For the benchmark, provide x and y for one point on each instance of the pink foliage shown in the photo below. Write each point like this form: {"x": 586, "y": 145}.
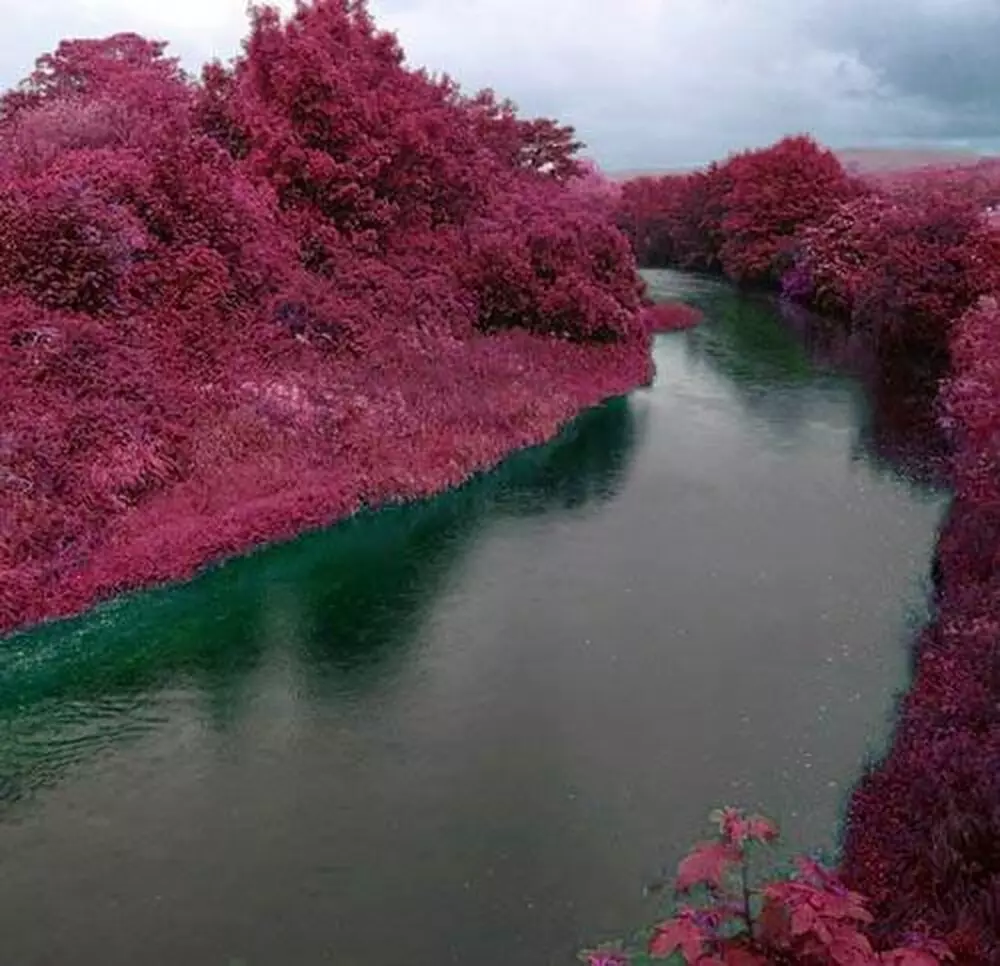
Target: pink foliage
{"x": 523, "y": 263}
{"x": 676, "y": 219}
{"x": 683, "y": 934}
{"x": 809, "y": 919}
{"x": 670, "y": 316}
{"x": 925, "y": 825}
{"x": 774, "y": 193}
{"x": 907, "y": 263}
{"x": 311, "y": 281}
{"x": 972, "y": 402}
{"x": 740, "y": 216}
{"x": 978, "y": 182}
{"x": 901, "y": 266}
{"x": 596, "y": 189}
{"x": 812, "y": 918}
{"x": 741, "y": 829}
{"x": 707, "y": 864}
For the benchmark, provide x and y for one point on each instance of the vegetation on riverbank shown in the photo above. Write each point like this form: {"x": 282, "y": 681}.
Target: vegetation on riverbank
{"x": 908, "y": 265}
{"x": 238, "y": 306}
{"x": 726, "y": 913}
{"x": 241, "y": 305}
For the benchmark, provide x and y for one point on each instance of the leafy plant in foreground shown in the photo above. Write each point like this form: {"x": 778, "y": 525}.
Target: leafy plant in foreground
{"x": 722, "y": 918}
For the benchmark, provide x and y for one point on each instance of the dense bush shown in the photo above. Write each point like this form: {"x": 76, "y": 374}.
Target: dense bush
{"x": 898, "y": 257}
{"x": 739, "y": 217}
{"x": 238, "y": 305}
{"x": 901, "y": 268}
{"x": 972, "y": 402}
{"x": 774, "y": 193}
{"x": 677, "y": 219}
{"x": 924, "y": 835}
{"x": 978, "y": 182}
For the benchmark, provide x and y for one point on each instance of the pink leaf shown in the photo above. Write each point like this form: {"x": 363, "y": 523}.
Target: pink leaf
{"x": 680, "y": 933}
{"x": 760, "y": 829}
{"x": 804, "y": 920}
{"x": 850, "y": 948}
{"x": 706, "y": 864}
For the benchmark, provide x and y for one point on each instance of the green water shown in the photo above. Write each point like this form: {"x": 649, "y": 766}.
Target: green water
{"x": 469, "y": 730}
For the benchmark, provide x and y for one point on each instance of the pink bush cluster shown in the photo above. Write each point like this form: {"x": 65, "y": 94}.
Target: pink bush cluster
{"x": 901, "y": 267}
{"x": 978, "y": 182}
{"x": 908, "y": 263}
{"x": 671, "y": 316}
{"x": 972, "y": 403}
{"x": 924, "y": 831}
{"x": 723, "y": 917}
{"x": 897, "y": 257}
{"x": 677, "y": 219}
{"x": 308, "y": 281}
{"x": 740, "y": 217}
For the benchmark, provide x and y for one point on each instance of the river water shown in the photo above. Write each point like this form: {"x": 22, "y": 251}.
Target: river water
{"x": 470, "y": 730}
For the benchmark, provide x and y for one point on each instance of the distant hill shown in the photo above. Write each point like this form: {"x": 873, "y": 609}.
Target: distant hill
{"x": 866, "y": 160}
{"x": 860, "y": 160}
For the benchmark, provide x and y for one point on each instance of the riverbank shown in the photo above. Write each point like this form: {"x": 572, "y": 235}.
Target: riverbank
{"x": 506, "y": 660}
{"x": 224, "y": 319}
{"x": 908, "y": 267}
{"x": 458, "y": 413}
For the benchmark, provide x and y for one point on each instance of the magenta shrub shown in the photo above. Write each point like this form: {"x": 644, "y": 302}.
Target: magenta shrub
{"x": 670, "y": 316}
{"x": 774, "y": 193}
{"x": 236, "y": 306}
{"x": 677, "y": 219}
{"x": 898, "y": 257}
{"x": 901, "y": 267}
{"x": 726, "y": 913}
{"x": 739, "y": 217}
{"x": 972, "y": 402}
{"x": 924, "y": 835}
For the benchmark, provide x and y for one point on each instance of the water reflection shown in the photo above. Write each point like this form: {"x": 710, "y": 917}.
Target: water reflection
{"x": 782, "y": 371}
{"x": 746, "y": 345}
{"x": 357, "y": 591}
{"x": 899, "y": 428}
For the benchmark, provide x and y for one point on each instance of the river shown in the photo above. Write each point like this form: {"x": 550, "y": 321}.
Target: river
{"x": 469, "y": 730}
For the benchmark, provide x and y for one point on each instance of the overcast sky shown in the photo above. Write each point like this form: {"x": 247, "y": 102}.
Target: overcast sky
{"x": 647, "y": 83}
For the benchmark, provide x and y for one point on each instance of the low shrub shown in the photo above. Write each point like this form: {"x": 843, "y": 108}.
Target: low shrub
{"x": 671, "y": 316}
{"x": 727, "y": 913}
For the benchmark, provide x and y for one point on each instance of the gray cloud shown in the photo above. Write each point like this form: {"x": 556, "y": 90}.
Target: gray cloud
{"x": 646, "y": 82}
{"x": 941, "y": 53}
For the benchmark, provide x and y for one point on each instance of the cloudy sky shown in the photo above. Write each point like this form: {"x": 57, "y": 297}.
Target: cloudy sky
{"x": 647, "y": 83}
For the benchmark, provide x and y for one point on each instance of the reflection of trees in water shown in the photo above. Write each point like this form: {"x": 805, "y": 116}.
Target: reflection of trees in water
{"x": 763, "y": 362}
{"x": 777, "y": 357}
{"x": 588, "y": 465}
{"x": 900, "y": 431}
{"x": 346, "y": 600}
{"x": 748, "y": 344}
{"x": 667, "y": 284}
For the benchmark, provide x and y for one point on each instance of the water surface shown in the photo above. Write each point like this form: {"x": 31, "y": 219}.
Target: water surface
{"x": 469, "y": 730}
